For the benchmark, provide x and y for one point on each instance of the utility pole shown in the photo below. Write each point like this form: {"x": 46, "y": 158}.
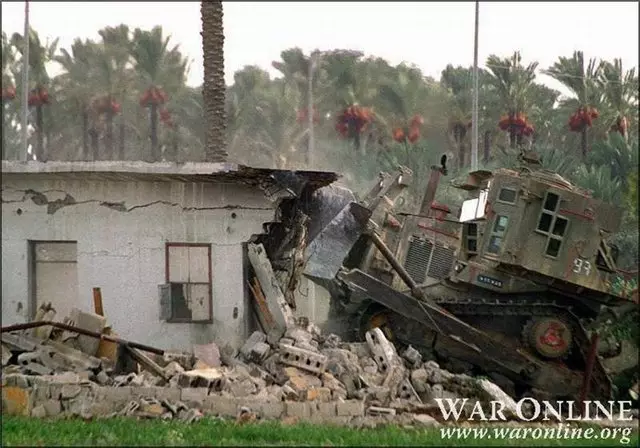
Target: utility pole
{"x": 310, "y": 117}
{"x": 474, "y": 112}
{"x": 25, "y": 84}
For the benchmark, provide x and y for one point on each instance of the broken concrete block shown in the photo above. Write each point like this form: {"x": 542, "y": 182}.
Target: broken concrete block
{"x": 255, "y": 338}
{"x": 6, "y": 355}
{"x": 322, "y": 394}
{"x": 413, "y": 356}
{"x": 16, "y": 401}
{"x": 172, "y": 369}
{"x": 259, "y": 352}
{"x": 38, "y": 412}
{"x": 298, "y": 335}
{"x": 424, "y": 420}
{"x": 53, "y": 408}
{"x": 37, "y": 369}
{"x": 301, "y": 381}
{"x": 339, "y": 360}
{"x": 274, "y": 335}
{"x": 436, "y": 375}
{"x": 499, "y": 395}
{"x": 407, "y": 392}
{"x": 209, "y": 354}
{"x": 287, "y": 341}
{"x": 375, "y": 411}
{"x": 88, "y": 321}
{"x": 276, "y": 302}
{"x": 384, "y": 353}
{"x": 69, "y": 391}
{"x": 419, "y": 380}
{"x": 66, "y": 378}
{"x": 302, "y": 359}
{"x": 350, "y": 408}
{"x": 298, "y": 409}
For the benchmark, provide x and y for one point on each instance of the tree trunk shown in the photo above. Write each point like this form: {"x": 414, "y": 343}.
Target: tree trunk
{"x": 121, "y": 138}
{"x": 583, "y": 143}
{"x": 461, "y": 161}
{"x": 512, "y": 138}
{"x": 85, "y": 134}
{"x": 39, "y": 133}
{"x": 108, "y": 137}
{"x": 153, "y": 126}
{"x": 213, "y": 89}
{"x": 4, "y": 143}
{"x": 93, "y": 134}
{"x": 487, "y": 146}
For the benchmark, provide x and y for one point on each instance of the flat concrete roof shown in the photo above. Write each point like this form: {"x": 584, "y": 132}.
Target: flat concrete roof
{"x": 161, "y": 171}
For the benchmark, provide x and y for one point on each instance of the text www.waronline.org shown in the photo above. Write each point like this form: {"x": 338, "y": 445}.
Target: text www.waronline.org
{"x": 559, "y": 432}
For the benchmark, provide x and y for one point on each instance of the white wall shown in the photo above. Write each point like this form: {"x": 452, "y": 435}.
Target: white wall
{"x": 123, "y": 252}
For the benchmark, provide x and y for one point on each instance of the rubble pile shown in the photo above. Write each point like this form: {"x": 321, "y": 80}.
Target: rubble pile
{"x": 301, "y": 375}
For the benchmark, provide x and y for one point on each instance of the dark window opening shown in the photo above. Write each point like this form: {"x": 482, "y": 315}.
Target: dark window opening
{"x": 545, "y": 222}
{"x": 497, "y": 235}
{"x": 507, "y": 195}
{"x": 501, "y": 224}
{"x": 560, "y": 226}
{"x": 495, "y": 242}
{"x": 553, "y": 247}
{"x": 471, "y": 230}
{"x": 552, "y": 201}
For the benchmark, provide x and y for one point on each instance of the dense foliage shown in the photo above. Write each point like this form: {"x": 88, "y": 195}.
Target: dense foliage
{"x": 124, "y": 96}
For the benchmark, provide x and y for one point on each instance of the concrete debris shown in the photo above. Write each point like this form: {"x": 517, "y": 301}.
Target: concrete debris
{"x": 299, "y": 375}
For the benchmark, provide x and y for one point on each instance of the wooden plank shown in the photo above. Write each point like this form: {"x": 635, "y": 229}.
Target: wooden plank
{"x": 262, "y": 310}
{"x": 97, "y": 302}
{"x": 146, "y": 362}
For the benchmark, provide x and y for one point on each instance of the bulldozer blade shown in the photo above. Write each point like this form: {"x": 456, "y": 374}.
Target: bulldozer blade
{"x": 479, "y": 347}
{"x": 328, "y": 249}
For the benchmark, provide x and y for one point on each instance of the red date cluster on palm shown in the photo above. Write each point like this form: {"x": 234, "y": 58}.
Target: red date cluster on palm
{"x": 8, "y": 93}
{"x": 153, "y": 96}
{"x": 165, "y": 118}
{"x": 38, "y": 97}
{"x": 353, "y": 120}
{"x": 516, "y": 123}
{"x": 107, "y": 105}
{"x": 302, "y": 115}
{"x": 410, "y": 133}
{"x": 583, "y": 118}
{"x": 621, "y": 125}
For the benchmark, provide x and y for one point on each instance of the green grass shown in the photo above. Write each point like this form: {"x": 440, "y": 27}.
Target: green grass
{"x": 18, "y": 431}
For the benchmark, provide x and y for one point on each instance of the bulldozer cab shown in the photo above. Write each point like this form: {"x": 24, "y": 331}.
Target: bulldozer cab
{"x": 540, "y": 226}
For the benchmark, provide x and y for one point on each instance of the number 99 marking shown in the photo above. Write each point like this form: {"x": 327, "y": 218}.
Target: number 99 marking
{"x": 581, "y": 266}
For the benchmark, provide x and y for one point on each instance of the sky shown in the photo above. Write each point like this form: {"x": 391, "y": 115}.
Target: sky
{"x": 429, "y": 35}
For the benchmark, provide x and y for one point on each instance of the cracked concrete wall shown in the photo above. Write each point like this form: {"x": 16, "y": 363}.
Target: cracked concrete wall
{"x": 121, "y": 229}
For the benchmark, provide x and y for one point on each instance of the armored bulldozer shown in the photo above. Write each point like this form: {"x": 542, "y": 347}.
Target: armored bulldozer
{"x": 514, "y": 283}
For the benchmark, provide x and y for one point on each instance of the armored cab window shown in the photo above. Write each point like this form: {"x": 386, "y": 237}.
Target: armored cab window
{"x": 472, "y": 238}
{"x": 497, "y": 234}
{"x": 551, "y": 224}
{"x": 507, "y": 195}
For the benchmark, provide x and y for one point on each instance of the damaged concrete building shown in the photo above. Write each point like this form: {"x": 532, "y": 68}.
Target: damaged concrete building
{"x": 131, "y": 227}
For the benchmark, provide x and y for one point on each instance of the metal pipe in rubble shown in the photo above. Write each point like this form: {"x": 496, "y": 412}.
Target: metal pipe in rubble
{"x": 430, "y": 192}
{"x": 28, "y": 325}
{"x": 388, "y": 255}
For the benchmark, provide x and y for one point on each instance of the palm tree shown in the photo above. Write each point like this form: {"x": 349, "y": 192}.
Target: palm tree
{"x": 161, "y": 71}
{"x": 78, "y": 88}
{"x": 214, "y": 86}
{"x": 581, "y": 80}
{"x": 513, "y": 83}
{"x": 39, "y": 56}
{"x": 619, "y": 89}
{"x": 8, "y": 89}
{"x": 116, "y": 80}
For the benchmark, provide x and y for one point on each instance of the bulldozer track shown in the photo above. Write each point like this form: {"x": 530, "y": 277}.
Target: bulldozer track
{"x": 601, "y": 384}
{"x": 526, "y": 307}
